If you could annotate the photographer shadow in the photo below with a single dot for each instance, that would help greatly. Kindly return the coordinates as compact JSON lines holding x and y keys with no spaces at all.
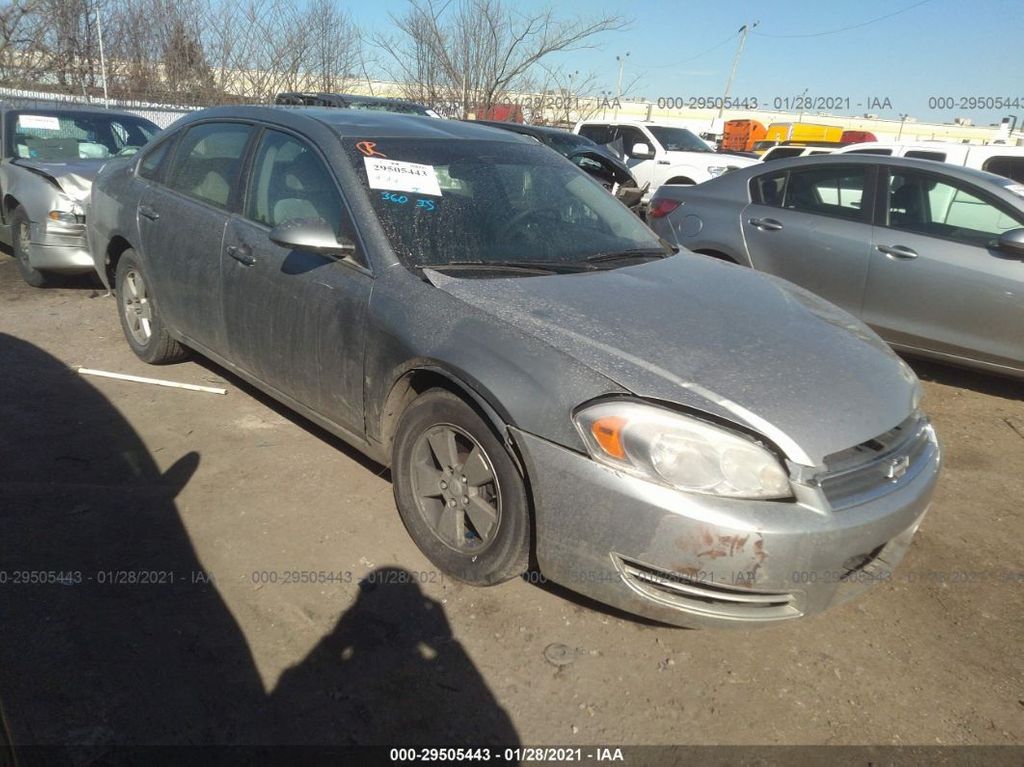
{"x":97,"y":657}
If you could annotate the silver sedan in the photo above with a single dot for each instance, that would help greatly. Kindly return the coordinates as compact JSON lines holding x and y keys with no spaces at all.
{"x":927,"y":254}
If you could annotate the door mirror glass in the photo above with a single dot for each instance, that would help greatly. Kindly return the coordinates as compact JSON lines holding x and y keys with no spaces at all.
{"x":311,"y":234}
{"x":641,"y":151}
{"x":1011,"y":242}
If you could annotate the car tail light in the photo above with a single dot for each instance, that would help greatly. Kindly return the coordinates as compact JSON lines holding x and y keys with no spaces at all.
{"x":662,"y":207}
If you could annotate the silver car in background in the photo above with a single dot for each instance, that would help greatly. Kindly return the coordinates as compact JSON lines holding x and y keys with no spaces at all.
{"x":928,"y":254}
{"x":551,"y":385}
{"x":48,"y":160}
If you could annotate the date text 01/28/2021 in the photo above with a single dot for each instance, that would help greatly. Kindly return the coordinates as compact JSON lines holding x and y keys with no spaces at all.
{"x":513,"y":755}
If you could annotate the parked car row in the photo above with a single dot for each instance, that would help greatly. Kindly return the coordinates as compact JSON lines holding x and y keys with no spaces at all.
{"x":553,"y":384}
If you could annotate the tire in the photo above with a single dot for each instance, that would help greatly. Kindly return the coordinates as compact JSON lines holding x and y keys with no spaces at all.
{"x":463,"y":539}
{"x":138,"y":310}
{"x":19,"y":244}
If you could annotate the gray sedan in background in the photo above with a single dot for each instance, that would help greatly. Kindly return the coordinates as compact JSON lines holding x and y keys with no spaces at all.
{"x":551,"y":386}
{"x":929,"y":255}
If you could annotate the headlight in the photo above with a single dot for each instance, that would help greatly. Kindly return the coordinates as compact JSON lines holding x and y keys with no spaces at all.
{"x":67,"y":216}
{"x":680,"y":451}
{"x":717,"y":170}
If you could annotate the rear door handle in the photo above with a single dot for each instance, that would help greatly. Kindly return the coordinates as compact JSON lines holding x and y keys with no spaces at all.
{"x":242,"y":254}
{"x":147,"y":212}
{"x":767,"y":224}
{"x":896,"y":251}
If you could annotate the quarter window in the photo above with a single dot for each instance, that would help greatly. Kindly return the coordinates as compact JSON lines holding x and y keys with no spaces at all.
{"x":829,"y":190}
{"x":290,"y":181}
{"x":768,"y":189}
{"x":920,"y":203}
{"x":207,"y":164}
{"x":149,"y":166}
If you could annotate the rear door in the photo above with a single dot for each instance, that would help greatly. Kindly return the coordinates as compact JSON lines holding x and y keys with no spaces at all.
{"x":811,"y":225}
{"x":181,"y":224}
{"x":934,"y":283}
{"x":295,"y":320}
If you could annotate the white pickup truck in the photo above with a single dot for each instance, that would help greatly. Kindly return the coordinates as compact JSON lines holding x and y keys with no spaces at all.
{"x":1001,"y":159}
{"x":659,"y":153}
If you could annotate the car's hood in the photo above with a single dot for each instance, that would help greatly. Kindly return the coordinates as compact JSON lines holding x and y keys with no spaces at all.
{"x":75,"y":178}
{"x":719,"y":338}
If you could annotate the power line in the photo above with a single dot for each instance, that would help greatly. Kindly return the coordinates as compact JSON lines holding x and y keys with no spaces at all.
{"x":852,"y":26}
{"x":729,"y":39}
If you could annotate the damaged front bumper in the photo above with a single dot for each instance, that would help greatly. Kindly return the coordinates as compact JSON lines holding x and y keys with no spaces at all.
{"x":705,"y":561}
{"x":59,"y":247}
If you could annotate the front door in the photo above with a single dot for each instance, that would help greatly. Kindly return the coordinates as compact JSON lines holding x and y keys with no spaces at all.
{"x":935,"y":283}
{"x":296,"y":320}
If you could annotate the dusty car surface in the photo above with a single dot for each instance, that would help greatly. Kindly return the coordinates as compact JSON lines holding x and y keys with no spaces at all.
{"x":551,"y":386}
{"x":926,"y":253}
{"x":49,"y":158}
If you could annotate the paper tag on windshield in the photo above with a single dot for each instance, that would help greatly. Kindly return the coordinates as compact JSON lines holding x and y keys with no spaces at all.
{"x":398,"y":176}
{"x":38,"y":122}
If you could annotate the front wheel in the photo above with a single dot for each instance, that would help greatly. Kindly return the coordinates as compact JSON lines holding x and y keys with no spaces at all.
{"x":21,"y":237}
{"x":141,"y":322}
{"x":458,"y":491}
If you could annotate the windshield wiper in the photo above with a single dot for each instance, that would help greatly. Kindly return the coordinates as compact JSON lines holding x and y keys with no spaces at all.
{"x":622,"y":255}
{"x":537,"y":267}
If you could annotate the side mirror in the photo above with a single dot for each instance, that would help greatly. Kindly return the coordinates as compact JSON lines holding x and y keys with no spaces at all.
{"x":641,"y":151}
{"x":311,"y":234}
{"x":1011,"y":242}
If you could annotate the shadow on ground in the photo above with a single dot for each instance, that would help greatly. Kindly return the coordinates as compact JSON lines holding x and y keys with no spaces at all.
{"x":112,"y":636}
{"x":981,"y":382}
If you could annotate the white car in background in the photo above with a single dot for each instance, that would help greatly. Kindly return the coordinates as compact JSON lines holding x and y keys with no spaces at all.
{"x":658,"y":153}
{"x":1001,"y":159}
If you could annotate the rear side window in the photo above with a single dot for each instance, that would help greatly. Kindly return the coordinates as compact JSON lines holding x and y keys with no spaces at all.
{"x":208,"y":161}
{"x":781,"y":153}
{"x":601,"y":134}
{"x":151,"y":163}
{"x":874,"y":150}
{"x":922,"y":154}
{"x":1011,"y":167}
{"x":831,"y":190}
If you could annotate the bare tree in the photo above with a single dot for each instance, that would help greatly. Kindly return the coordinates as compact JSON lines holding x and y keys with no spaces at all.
{"x":16,"y":36}
{"x":478,"y":52}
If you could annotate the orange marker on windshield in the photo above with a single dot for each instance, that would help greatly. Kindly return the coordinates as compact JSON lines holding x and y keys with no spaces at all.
{"x":368,"y":148}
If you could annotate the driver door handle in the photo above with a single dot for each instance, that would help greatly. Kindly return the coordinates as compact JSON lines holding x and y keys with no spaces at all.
{"x":896,"y":251}
{"x":147,"y":212}
{"x":766,"y":224}
{"x":242,"y":254}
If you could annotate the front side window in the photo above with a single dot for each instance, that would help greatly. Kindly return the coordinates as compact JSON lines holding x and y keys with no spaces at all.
{"x":631,"y":136}
{"x":492,"y":201}
{"x":831,"y":190}
{"x":64,"y":136}
{"x":923,"y":204}
{"x":290,"y":181}
{"x":208,"y":161}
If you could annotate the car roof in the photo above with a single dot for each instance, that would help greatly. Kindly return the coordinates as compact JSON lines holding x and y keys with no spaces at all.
{"x":62,"y":106}
{"x":970,"y":175}
{"x":531,"y":130}
{"x":359,"y":123}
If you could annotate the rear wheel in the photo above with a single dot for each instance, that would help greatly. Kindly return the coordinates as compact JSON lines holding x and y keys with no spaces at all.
{"x":141,"y":322}
{"x":21,"y":236}
{"x":458,"y":491}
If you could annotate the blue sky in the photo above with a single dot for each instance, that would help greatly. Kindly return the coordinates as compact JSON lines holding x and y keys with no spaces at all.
{"x":941,"y":48}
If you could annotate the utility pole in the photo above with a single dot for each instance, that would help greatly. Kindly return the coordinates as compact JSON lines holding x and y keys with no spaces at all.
{"x":743,"y":32}
{"x":103,"y":60}
{"x":618,"y":87}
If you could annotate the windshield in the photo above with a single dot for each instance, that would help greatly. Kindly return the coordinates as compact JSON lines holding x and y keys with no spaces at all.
{"x":63,"y":136}
{"x":678,"y":139}
{"x":491,"y":201}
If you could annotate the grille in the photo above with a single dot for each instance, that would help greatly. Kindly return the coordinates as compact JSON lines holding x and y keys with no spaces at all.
{"x":705,"y":598}
{"x":878,"y":466}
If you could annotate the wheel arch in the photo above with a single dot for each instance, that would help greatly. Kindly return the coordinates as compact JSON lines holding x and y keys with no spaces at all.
{"x":115,"y":249}
{"x":681,"y":180}
{"x":719,"y":254}
{"x":416,"y":378}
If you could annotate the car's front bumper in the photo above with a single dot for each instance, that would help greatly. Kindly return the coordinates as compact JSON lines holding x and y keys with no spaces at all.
{"x":59,"y":248}
{"x":702,"y":561}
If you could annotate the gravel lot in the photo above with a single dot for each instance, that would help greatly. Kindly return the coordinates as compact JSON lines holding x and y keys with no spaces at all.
{"x":99,"y":476}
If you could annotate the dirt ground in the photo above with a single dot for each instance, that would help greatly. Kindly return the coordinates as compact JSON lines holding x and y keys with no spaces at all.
{"x":223,"y":492}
